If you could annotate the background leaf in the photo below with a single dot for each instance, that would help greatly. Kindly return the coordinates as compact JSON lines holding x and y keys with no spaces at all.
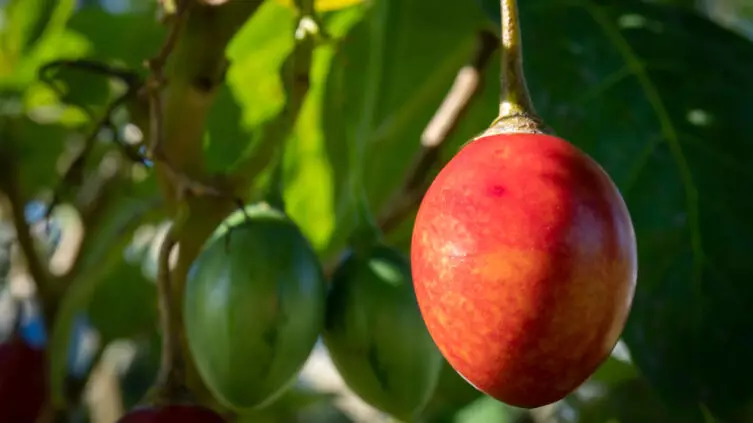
{"x":677,"y":145}
{"x":423,"y":50}
{"x":126,"y":38}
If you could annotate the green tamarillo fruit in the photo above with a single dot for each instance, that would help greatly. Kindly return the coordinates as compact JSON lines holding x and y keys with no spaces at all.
{"x":375,"y":334}
{"x":254,"y":307}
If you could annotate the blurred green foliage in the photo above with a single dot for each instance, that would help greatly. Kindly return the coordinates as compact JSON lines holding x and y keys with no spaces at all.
{"x":657,"y":92}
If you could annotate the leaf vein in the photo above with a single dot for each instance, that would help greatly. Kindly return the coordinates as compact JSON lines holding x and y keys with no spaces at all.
{"x":669,"y":133}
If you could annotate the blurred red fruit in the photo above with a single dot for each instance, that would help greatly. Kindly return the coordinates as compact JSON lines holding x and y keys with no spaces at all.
{"x":23,"y":389}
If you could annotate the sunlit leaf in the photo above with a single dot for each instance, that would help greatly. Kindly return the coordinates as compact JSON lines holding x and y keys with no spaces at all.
{"x":422,"y":50}
{"x":127,"y":38}
{"x":325,"y":5}
{"x":29,"y":26}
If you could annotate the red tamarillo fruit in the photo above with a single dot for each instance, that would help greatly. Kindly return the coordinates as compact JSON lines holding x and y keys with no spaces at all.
{"x":23,"y":373}
{"x":523,"y":254}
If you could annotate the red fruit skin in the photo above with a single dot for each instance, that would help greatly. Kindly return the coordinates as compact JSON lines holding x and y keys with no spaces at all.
{"x":524,"y":262}
{"x":176,"y":413}
{"x":23,"y":376}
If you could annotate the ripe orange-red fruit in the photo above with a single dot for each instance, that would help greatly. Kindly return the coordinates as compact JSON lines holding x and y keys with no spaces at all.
{"x":524,"y":263}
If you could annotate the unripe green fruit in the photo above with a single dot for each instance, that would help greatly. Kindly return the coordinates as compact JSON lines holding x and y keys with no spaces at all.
{"x":254,"y":307}
{"x":375,"y":334}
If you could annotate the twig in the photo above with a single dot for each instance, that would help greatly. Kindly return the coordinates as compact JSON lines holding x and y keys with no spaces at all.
{"x":170,"y":378}
{"x":127,"y":76}
{"x":74,"y":174}
{"x":34,"y":263}
{"x":467,"y":84}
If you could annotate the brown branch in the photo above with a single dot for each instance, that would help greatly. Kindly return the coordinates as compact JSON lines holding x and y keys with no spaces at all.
{"x":36,"y":267}
{"x":170,"y":381}
{"x":467,"y":84}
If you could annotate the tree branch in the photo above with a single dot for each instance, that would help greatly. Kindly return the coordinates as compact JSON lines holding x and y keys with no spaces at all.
{"x":73,"y":176}
{"x":189,"y":69}
{"x":467,"y":84}
{"x":171,"y":379}
{"x":186,"y":75}
{"x":36,"y":266}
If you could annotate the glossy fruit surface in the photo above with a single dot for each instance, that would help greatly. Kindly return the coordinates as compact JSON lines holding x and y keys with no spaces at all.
{"x":23,"y":386}
{"x":254,"y":307}
{"x":172,"y":414}
{"x":524,"y":264}
{"x":375,"y":335}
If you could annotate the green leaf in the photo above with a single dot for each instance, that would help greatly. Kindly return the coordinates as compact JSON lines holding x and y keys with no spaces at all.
{"x":422,"y":50}
{"x":38,"y":146}
{"x":254,"y":94}
{"x":630,"y":401}
{"x":80,"y":88}
{"x":124,"y":305}
{"x":26,"y":22}
{"x":617,"y":81}
{"x":310,"y":180}
{"x":126,"y":38}
{"x":487,"y":409}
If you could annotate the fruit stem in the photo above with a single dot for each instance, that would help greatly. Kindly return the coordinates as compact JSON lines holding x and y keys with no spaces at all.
{"x":516,"y":111}
{"x":274,"y":196}
{"x":171,"y":384}
{"x":515,"y":97}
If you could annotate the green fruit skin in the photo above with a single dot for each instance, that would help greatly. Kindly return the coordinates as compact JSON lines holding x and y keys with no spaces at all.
{"x":376,"y":336}
{"x":452,"y":394}
{"x":254,"y":308}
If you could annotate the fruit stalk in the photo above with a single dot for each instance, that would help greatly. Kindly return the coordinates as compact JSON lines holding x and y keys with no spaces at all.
{"x":515,"y":98}
{"x":170,"y":384}
{"x":516,"y":111}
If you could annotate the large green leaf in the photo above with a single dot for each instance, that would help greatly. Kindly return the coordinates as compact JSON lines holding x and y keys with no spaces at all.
{"x":253,"y":93}
{"x":655,"y":94}
{"x":256,"y":94}
{"x":124,"y":305}
{"x":31,"y":30}
{"x":26,"y":21}
{"x":127,"y":38}
{"x":38,"y":147}
{"x":411,"y":64}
